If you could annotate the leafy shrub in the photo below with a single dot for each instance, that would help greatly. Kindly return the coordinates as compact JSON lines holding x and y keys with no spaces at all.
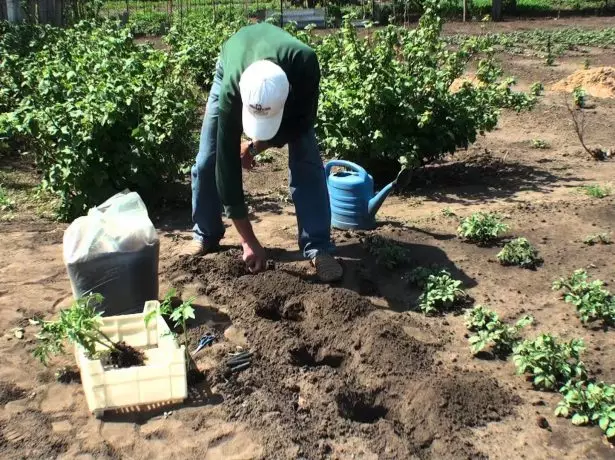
{"x":196,"y":44}
{"x":592,"y":301}
{"x":519,"y":252}
{"x":101,"y":113}
{"x":548,"y":363}
{"x":540,"y":144}
{"x":149,"y":22}
{"x":598,"y":238}
{"x":440,"y":291}
{"x":536,"y":89}
{"x":589,"y":403}
{"x":578,"y":95}
{"x":481,"y":228}
{"x":387,"y":252}
{"x":596,"y":191}
{"x":387,"y":98}
{"x":491,"y":331}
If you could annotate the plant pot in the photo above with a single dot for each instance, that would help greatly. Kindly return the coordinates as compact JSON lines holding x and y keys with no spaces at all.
{"x":162,"y":378}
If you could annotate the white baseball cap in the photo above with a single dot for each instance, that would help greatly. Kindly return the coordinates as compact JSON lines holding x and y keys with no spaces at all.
{"x":264,"y":88}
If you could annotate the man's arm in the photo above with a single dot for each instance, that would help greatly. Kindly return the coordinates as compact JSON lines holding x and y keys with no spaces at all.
{"x":229,"y":179}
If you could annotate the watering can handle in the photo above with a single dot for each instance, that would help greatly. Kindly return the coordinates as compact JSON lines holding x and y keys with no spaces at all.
{"x":346,"y":164}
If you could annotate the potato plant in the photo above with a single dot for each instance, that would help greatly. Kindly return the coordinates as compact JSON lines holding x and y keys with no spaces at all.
{"x":387,"y":252}
{"x":589,"y":403}
{"x":519,"y":252}
{"x":592,"y":301}
{"x":481,"y":228}
{"x":549,"y":363}
{"x":441,"y":292}
{"x":491,"y":331}
{"x":598,"y":238}
{"x":596,"y":191}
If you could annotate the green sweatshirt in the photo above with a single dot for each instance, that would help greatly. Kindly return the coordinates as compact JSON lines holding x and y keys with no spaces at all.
{"x":299,"y":62}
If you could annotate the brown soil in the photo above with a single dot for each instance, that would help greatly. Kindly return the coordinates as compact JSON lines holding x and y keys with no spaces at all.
{"x":10,"y":392}
{"x":349,"y":371}
{"x":123,"y":356}
{"x":598,"y":82}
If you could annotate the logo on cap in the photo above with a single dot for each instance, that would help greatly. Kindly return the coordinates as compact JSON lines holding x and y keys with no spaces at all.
{"x":259,"y":109}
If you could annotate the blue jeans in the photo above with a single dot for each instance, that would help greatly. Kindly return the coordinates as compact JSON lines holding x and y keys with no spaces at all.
{"x":307,"y":182}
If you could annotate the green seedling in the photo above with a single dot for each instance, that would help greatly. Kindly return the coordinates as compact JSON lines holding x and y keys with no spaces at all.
{"x":598,"y":238}
{"x":448,"y":212}
{"x":586,"y":63}
{"x":578,"y":96}
{"x":596,"y":191}
{"x":481,"y":228}
{"x":592,"y":301}
{"x":264,"y":157}
{"x":536,"y":89}
{"x":589,"y":403}
{"x":81,"y":325}
{"x":180,"y":314}
{"x":540,"y":144}
{"x":440,"y":291}
{"x":550,"y":58}
{"x":519,"y":252}
{"x":387,"y":253}
{"x":548,"y":363}
{"x":491,"y":331}
{"x":6,"y":204}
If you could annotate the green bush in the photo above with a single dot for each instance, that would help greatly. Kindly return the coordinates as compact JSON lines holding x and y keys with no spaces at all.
{"x":592,"y":301}
{"x":387,"y":98}
{"x":589,"y":403}
{"x":441,"y":292}
{"x":491,"y":331}
{"x":482,"y":228}
{"x":149,"y":22}
{"x":519,"y":252}
{"x":100,"y":114}
{"x":548,"y":363}
{"x":196,"y":44}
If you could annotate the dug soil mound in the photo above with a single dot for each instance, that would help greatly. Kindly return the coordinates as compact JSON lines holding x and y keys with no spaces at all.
{"x":330,"y":368}
{"x":597,"y":82}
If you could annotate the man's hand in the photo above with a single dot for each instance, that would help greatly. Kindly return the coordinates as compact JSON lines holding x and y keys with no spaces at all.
{"x":247,"y":160}
{"x":254,"y":256}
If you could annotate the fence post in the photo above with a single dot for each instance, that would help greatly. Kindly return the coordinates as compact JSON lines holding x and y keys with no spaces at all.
{"x":14,"y":12}
{"x":281,"y":14}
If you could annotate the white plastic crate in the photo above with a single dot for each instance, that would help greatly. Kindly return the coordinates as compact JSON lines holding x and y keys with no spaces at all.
{"x":161,"y":380}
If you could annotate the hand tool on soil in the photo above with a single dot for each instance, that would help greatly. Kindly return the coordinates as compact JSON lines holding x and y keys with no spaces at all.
{"x":205,"y":341}
{"x":239,"y":361}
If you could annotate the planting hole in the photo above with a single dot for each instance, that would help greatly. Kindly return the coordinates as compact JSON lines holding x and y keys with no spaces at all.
{"x":360,"y":406}
{"x":315,"y":357}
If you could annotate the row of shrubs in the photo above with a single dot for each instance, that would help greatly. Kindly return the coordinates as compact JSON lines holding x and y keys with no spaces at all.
{"x":100,"y":112}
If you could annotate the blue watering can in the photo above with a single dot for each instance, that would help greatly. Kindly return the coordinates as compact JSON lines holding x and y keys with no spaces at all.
{"x":351,"y":193}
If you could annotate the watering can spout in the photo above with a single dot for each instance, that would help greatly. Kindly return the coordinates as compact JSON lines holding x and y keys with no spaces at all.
{"x":402,"y":179}
{"x":376,"y":201}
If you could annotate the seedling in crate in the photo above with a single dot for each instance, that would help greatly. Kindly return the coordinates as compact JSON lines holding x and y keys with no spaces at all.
{"x":490,"y":330}
{"x":592,"y":301}
{"x":180,"y":314}
{"x":519,"y":252}
{"x":482,"y":228}
{"x":440,"y":291}
{"x":81,"y":325}
{"x":589,"y":404}
{"x":549,"y":363}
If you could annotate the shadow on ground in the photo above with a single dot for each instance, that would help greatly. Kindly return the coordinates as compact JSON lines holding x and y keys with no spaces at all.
{"x":482,"y":177}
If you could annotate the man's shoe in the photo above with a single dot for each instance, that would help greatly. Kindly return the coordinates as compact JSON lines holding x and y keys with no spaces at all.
{"x":328,"y":269}
{"x":198,"y":248}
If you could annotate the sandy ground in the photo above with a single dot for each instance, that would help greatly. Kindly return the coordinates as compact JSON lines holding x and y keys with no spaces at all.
{"x":355,"y":375}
